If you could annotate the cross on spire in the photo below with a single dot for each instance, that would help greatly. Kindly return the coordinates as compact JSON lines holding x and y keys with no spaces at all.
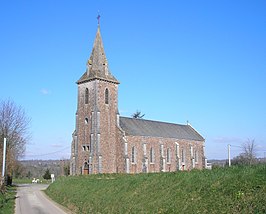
{"x":98,"y":18}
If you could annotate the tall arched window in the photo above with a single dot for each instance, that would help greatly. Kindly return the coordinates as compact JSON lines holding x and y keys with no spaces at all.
{"x":177,"y":150}
{"x":191,"y":151}
{"x":152,"y":155}
{"x":133,"y":155}
{"x":183,"y":153}
{"x":196,"y":155}
{"x":86,"y":96}
{"x":168,"y":155}
{"x":161,"y":150}
{"x":106,"y":96}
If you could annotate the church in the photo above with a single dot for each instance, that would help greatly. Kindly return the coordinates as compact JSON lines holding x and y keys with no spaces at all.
{"x":105,"y":142}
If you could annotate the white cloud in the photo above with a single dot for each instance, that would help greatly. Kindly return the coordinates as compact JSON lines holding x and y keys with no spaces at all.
{"x":45,"y":91}
{"x":57,"y":145}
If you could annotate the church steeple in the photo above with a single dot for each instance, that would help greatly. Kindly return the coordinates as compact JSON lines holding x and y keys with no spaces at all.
{"x":97,"y":65}
{"x":96,"y":118}
{"x":98,"y":61}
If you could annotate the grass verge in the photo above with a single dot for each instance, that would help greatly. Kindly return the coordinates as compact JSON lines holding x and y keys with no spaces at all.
{"x":224,"y":190}
{"x":7,"y":200}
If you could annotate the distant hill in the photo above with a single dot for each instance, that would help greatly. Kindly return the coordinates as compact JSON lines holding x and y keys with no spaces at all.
{"x":218,"y":162}
{"x":37,"y":168}
{"x":223,"y":163}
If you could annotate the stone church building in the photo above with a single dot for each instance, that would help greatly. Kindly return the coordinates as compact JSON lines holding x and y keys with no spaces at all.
{"x":105,"y":142}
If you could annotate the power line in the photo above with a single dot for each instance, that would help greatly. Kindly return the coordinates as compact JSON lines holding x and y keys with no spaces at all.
{"x":236,"y":146}
{"x":49,"y":153}
{"x":259,"y":150}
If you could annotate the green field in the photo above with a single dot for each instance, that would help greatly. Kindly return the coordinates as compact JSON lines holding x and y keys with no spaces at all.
{"x":224,"y":190}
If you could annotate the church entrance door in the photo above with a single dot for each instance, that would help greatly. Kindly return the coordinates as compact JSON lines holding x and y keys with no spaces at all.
{"x":86,"y":169}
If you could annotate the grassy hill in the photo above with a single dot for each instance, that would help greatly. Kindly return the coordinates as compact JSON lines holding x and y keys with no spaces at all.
{"x":224,"y":190}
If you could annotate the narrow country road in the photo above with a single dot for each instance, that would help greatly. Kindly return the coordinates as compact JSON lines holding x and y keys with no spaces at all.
{"x":31,"y":200}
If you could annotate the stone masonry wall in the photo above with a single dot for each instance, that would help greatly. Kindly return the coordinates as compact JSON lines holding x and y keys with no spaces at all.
{"x":161,"y":162}
{"x":83,"y":127}
{"x":108,"y":126}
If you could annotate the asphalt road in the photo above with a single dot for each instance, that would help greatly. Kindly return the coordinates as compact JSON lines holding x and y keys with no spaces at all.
{"x":31,"y":200}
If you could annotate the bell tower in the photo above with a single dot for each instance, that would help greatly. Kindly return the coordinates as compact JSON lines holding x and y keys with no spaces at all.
{"x":94,"y":139}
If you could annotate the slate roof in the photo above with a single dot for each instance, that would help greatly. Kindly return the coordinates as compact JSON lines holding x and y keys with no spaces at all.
{"x":141,"y":127}
{"x":97,"y":65}
{"x":97,"y":75}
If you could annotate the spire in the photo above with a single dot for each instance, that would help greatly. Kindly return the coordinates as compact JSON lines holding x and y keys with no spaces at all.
{"x":98,"y":60}
{"x":97,"y":65}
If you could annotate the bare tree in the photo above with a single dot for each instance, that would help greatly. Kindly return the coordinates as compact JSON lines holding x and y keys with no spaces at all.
{"x":138,"y":115}
{"x":14,"y":125}
{"x":249,"y":151}
{"x":248,"y":155}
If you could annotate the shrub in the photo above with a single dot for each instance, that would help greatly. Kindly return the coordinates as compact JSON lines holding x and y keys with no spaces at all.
{"x":47,"y":175}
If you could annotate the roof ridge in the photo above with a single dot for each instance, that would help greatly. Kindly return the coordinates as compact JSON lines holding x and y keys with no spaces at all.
{"x":193,"y":129}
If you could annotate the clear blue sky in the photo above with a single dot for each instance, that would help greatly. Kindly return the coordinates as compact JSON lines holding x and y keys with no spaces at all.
{"x":201,"y":61}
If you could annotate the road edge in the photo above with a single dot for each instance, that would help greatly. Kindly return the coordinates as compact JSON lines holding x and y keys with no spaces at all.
{"x":55,"y":203}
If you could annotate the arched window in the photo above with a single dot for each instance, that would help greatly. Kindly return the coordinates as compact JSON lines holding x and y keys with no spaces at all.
{"x":86,"y":120}
{"x":168,"y":155}
{"x":86,"y":96}
{"x":196,"y":155}
{"x":144,"y":149}
{"x":177,"y":150}
{"x":183,"y":153}
{"x":152,"y":155}
{"x":133,"y":155}
{"x":161,"y":150}
{"x":191,"y":151}
{"x":106,"y":96}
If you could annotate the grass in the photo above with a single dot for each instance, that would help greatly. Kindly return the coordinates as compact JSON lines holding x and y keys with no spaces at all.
{"x":224,"y":190}
{"x":7,"y":200}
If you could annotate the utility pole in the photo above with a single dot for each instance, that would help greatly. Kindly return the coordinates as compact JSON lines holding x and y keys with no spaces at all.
{"x":229,"y":156}
{"x":4,"y":163}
